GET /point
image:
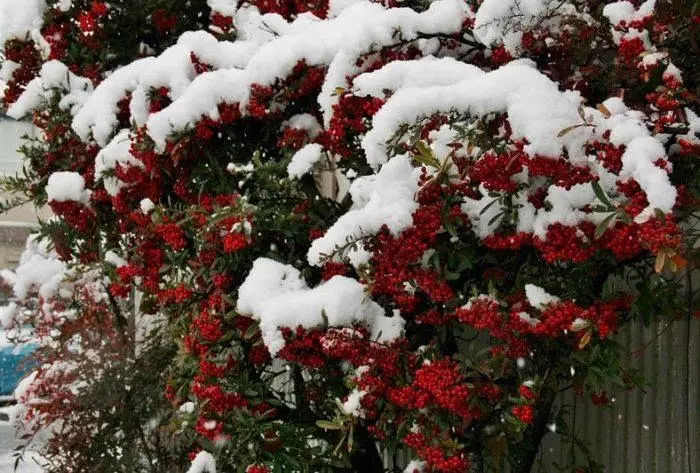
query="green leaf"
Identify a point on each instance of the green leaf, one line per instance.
(251, 331)
(567, 130)
(487, 206)
(425, 155)
(496, 217)
(351, 439)
(328, 425)
(256, 159)
(604, 224)
(600, 193)
(450, 228)
(581, 112)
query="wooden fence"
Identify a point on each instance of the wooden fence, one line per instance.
(656, 431)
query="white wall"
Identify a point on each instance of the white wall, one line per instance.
(11, 132)
(17, 223)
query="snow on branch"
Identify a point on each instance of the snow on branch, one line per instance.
(277, 296)
(359, 27)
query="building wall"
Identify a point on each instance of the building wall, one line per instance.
(11, 132)
(17, 223)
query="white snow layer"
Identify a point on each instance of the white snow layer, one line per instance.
(224, 7)
(147, 205)
(305, 122)
(67, 186)
(276, 295)
(7, 315)
(638, 162)
(54, 77)
(304, 159)
(18, 18)
(204, 462)
(496, 18)
(268, 48)
(352, 406)
(116, 152)
(536, 109)
(424, 72)
(617, 12)
(385, 198)
(538, 297)
(99, 114)
(624, 11)
(535, 106)
(415, 466)
(39, 269)
(114, 259)
(502, 22)
(357, 28)
(174, 70)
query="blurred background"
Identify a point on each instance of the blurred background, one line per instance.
(15, 226)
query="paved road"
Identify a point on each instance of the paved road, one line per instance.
(7, 462)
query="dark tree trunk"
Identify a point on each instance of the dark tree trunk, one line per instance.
(366, 457)
(529, 448)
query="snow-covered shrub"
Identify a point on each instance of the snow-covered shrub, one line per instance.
(367, 226)
(93, 398)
